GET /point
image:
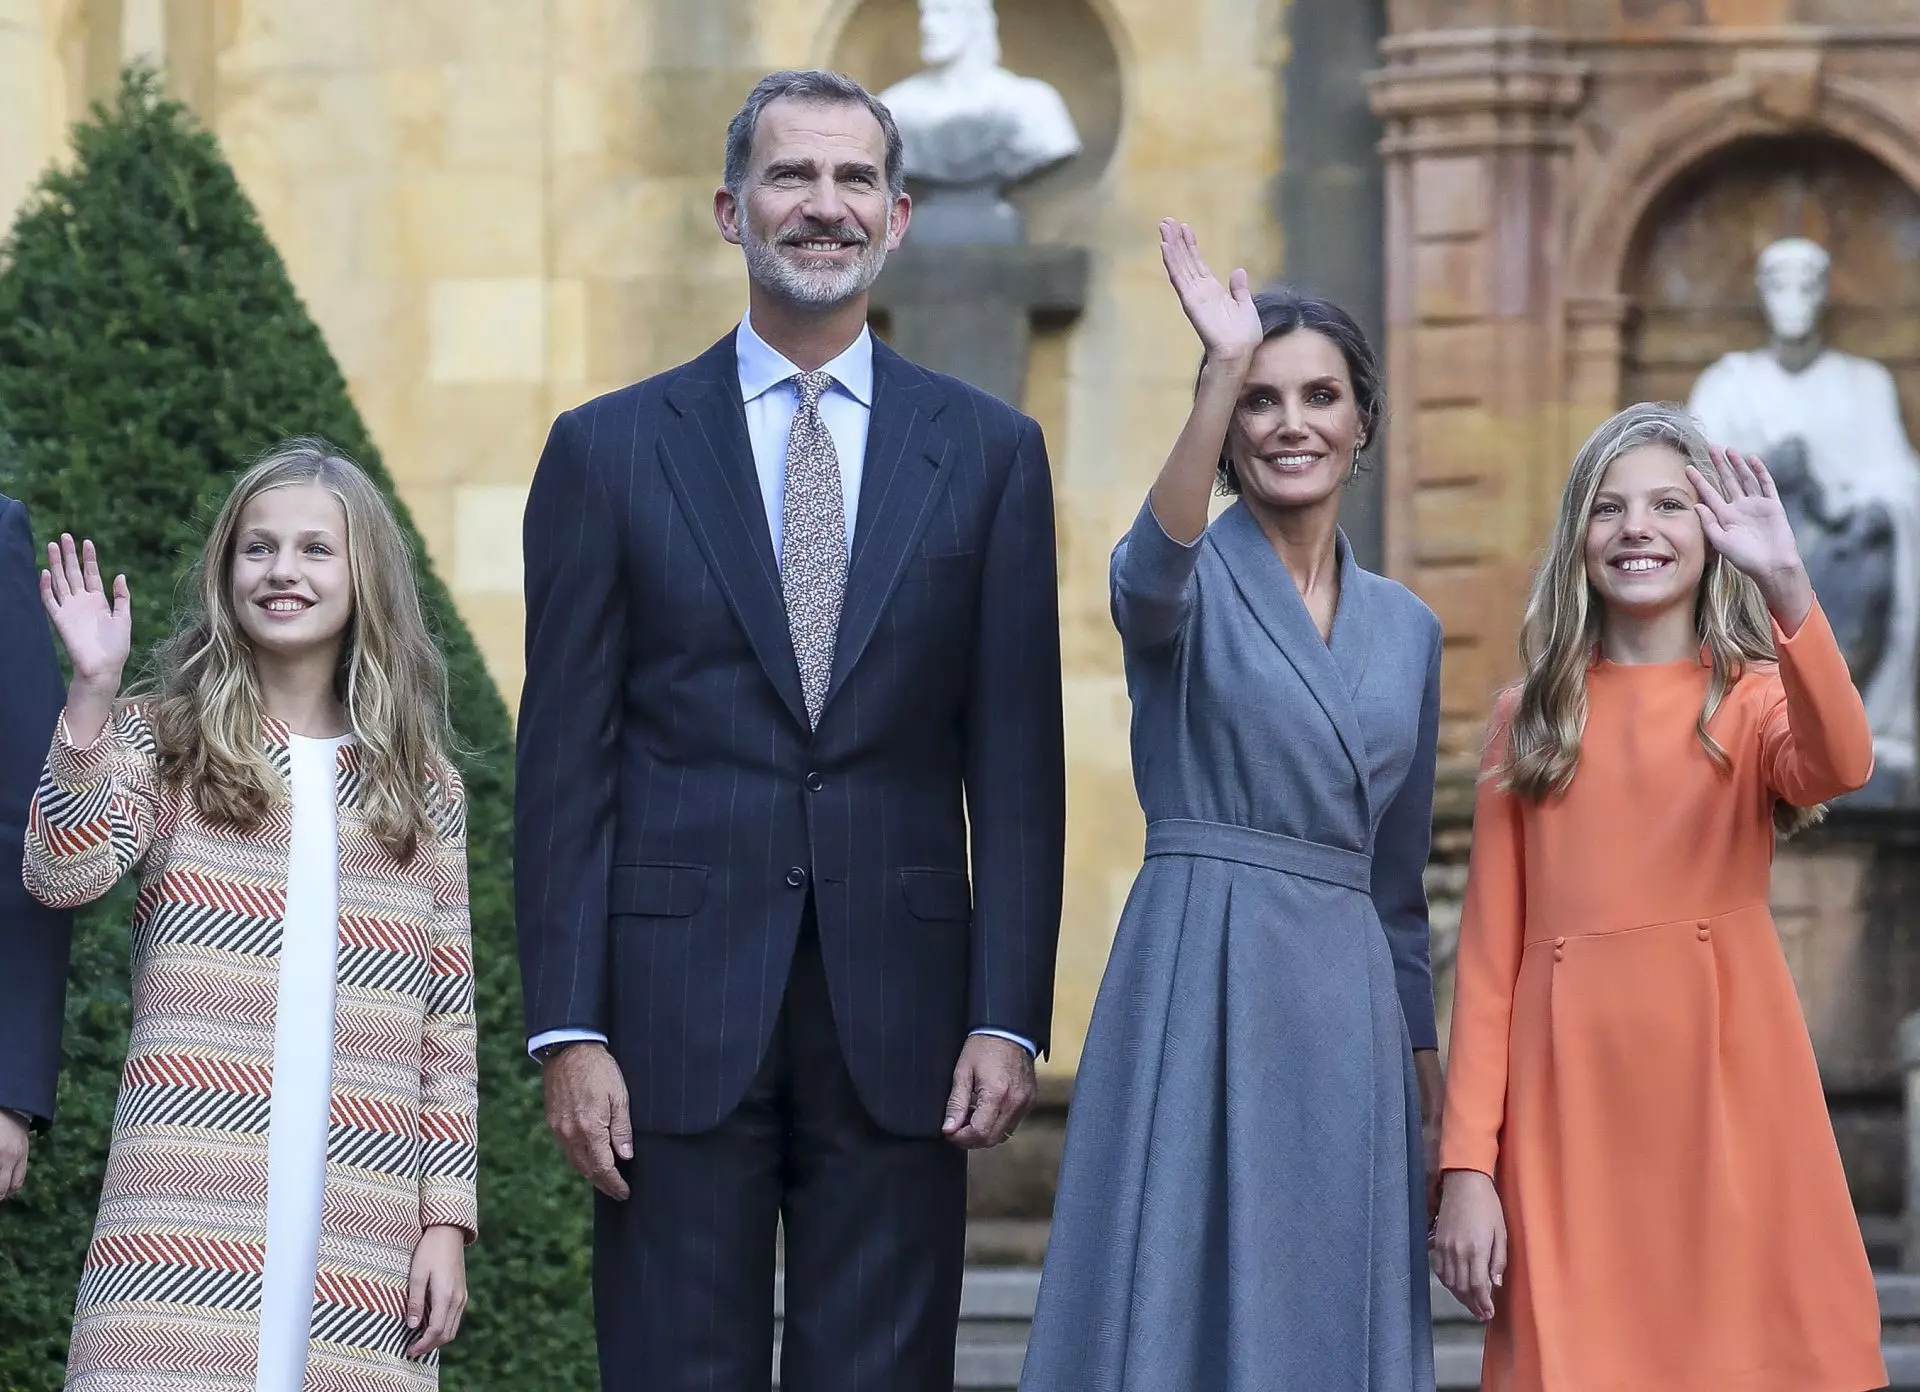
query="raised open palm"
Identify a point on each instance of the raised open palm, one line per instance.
(1741, 512)
(96, 627)
(1223, 315)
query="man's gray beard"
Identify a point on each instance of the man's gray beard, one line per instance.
(821, 289)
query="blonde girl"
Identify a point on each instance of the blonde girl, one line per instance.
(291, 1179)
(1641, 1187)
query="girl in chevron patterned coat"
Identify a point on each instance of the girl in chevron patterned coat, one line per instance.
(291, 1180)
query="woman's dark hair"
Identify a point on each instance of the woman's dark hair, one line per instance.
(1286, 309)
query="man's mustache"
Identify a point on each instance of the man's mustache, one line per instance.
(822, 232)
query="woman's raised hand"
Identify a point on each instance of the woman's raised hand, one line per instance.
(96, 627)
(1740, 509)
(1223, 315)
(1741, 513)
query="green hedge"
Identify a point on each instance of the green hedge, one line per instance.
(151, 344)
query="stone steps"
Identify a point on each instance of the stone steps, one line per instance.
(996, 1305)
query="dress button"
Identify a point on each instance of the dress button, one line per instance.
(815, 782)
(1704, 935)
(1559, 954)
(1559, 942)
(797, 877)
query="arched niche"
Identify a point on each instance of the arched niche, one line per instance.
(1688, 272)
(1064, 42)
(1618, 204)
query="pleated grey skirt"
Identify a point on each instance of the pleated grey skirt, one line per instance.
(1241, 1204)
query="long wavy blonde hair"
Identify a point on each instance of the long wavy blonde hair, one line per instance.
(1560, 636)
(391, 679)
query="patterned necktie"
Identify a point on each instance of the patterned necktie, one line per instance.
(813, 542)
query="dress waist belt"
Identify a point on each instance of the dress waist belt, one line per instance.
(1267, 850)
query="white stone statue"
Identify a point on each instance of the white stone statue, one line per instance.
(966, 119)
(1833, 421)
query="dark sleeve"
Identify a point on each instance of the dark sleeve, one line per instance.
(568, 735)
(1399, 868)
(1016, 764)
(33, 938)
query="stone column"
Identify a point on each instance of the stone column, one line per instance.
(1596, 332)
(1909, 1046)
(1331, 204)
(969, 310)
(1477, 136)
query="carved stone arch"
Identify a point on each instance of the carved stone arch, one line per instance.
(1651, 157)
(1693, 127)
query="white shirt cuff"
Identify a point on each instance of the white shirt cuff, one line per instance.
(564, 1036)
(1026, 1044)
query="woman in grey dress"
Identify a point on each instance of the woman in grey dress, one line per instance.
(1243, 1202)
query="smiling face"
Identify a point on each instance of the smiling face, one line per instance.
(813, 213)
(1645, 550)
(1298, 425)
(292, 585)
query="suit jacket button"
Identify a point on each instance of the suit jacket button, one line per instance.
(797, 877)
(815, 782)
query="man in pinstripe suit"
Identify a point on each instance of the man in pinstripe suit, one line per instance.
(792, 668)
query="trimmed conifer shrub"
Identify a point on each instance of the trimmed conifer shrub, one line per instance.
(151, 345)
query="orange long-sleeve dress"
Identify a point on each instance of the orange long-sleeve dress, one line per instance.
(1629, 1059)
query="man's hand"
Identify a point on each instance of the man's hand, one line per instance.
(13, 1155)
(992, 1089)
(587, 1110)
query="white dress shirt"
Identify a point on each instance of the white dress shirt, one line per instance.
(771, 400)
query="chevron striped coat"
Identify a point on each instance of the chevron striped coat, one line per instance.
(170, 1291)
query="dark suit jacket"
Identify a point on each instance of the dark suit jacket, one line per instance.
(33, 938)
(674, 813)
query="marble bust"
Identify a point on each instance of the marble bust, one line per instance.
(967, 120)
(1829, 424)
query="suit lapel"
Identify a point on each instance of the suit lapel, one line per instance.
(1270, 593)
(708, 459)
(900, 479)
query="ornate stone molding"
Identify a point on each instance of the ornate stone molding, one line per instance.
(1479, 89)
(1768, 93)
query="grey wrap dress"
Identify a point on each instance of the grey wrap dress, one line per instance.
(1241, 1203)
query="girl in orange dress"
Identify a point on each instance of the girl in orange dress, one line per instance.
(1641, 1189)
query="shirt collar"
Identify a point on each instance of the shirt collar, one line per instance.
(762, 367)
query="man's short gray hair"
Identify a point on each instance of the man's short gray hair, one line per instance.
(808, 85)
